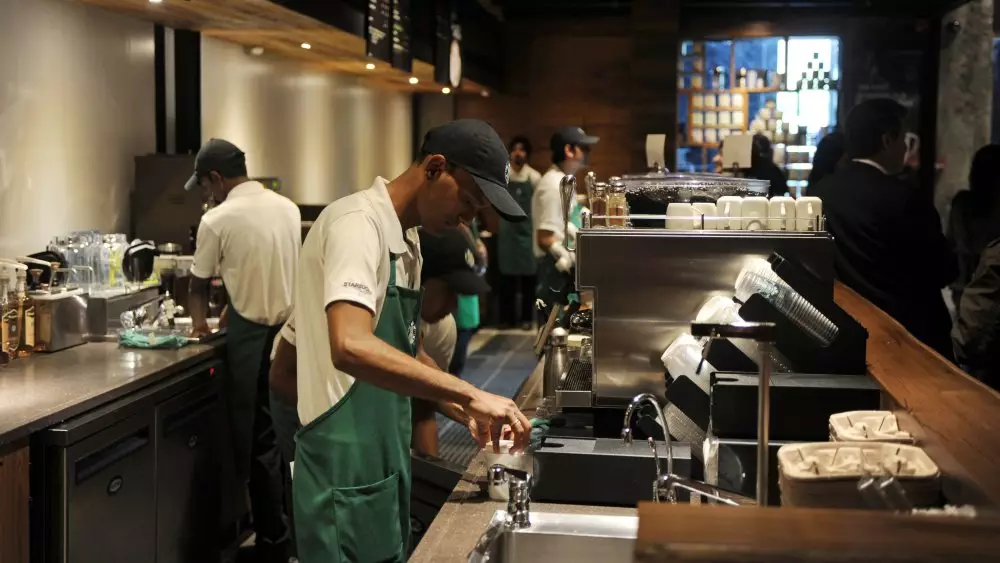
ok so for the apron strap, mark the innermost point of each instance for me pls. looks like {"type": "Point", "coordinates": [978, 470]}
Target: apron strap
{"type": "Point", "coordinates": [392, 270]}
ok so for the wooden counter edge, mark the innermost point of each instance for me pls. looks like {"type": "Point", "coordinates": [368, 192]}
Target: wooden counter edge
{"type": "Point", "coordinates": [953, 416]}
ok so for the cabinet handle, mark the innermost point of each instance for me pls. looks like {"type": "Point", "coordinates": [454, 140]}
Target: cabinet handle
{"type": "Point", "coordinates": [115, 485]}
{"type": "Point", "coordinates": [193, 441]}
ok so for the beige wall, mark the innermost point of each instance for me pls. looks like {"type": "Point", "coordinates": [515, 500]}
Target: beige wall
{"type": "Point", "coordinates": [323, 135]}
{"type": "Point", "coordinates": [76, 104]}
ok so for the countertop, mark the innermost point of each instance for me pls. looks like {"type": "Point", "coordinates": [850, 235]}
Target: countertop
{"type": "Point", "coordinates": [45, 389]}
{"type": "Point", "coordinates": [464, 518]}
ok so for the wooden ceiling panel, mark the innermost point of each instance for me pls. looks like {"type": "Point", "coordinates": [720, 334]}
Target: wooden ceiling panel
{"type": "Point", "coordinates": [280, 31]}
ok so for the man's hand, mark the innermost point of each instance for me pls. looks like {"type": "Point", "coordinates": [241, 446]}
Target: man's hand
{"type": "Point", "coordinates": [224, 317]}
{"type": "Point", "coordinates": [200, 330]}
{"type": "Point", "coordinates": [491, 412]}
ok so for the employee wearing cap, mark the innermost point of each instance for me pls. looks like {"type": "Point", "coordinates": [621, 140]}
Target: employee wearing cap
{"type": "Point", "coordinates": [450, 270]}
{"type": "Point", "coordinates": [252, 238]}
{"type": "Point", "coordinates": [570, 152]}
{"type": "Point", "coordinates": [357, 317]}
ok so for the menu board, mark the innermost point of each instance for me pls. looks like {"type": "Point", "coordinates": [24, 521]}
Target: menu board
{"type": "Point", "coordinates": [402, 57]}
{"type": "Point", "coordinates": [378, 39]}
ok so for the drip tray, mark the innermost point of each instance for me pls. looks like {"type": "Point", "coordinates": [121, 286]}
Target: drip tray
{"type": "Point", "coordinates": [577, 388]}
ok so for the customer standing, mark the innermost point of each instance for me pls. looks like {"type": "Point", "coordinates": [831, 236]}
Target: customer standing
{"type": "Point", "coordinates": [570, 152]}
{"type": "Point", "coordinates": [975, 215]}
{"type": "Point", "coordinates": [252, 238]}
{"type": "Point", "coordinates": [516, 259]}
{"type": "Point", "coordinates": [977, 329]}
{"type": "Point", "coordinates": [357, 316]}
{"type": "Point", "coordinates": [762, 167]}
{"type": "Point", "coordinates": [890, 246]}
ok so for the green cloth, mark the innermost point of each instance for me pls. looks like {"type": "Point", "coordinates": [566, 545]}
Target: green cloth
{"type": "Point", "coordinates": [351, 486]}
{"type": "Point", "coordinates": [539, 428]}
{"type": "Point", "coordinates": [136, 339]}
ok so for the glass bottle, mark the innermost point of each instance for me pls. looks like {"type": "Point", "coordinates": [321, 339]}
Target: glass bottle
{"type": "Point", "coordinates": [599, 205]}
{"type": "Point", "coordinates": [617, 206]}
{"type": "Point", "coordinates": [9, 321]}
{"type": "Point", "coordinates": [26, 307]}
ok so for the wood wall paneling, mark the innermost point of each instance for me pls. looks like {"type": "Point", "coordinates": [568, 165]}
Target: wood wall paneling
{"type": "Point", "coordinates": [14, 505]}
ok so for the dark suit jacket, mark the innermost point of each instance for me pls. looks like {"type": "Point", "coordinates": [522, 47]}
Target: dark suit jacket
{"type": "Point", "coordinates": [891, 248]}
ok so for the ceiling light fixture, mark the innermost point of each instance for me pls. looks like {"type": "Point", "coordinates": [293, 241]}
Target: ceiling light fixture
{"type": "Point", "coordinates": [414, 80]}
{"type": "Point", "coordinates": [485, 93]}
{"type": "Point", "coordinates": [256, 50]}
{"type": "Point", "coordinates": [155, 1]}
{"type": "Point", "coordinates": [306, 46]}
{"type": "Point", "coordinates": [446, 90]}
{"type": "Point", "coordinates": [370, 66]}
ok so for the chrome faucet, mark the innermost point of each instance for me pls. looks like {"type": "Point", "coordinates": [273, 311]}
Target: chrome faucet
{"type": "Point", "coordinates": [649, 399]}
{"type": "Point", "coordinates": [518, 500]}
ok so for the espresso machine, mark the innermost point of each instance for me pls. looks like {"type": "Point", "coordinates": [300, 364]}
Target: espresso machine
{"type": "Point", "coordinates": [656, 289]}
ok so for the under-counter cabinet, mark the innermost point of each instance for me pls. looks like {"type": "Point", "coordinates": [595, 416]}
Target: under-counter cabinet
{"type": "Point", "coordinates": [132, 481]}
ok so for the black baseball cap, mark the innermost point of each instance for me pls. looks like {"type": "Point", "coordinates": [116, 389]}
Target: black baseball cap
{"type": "Point", "coordinates": [451, 257]}
{"type": "Point", "coordinates": [475, 147]}
{"type": "Point", "coordinates": [571, 135]}
{"type": "Point", "coordinates": [220, 156]}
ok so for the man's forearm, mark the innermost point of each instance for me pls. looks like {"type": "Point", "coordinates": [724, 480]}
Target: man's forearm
{"type": "Point", "coordinates": [198, 301]}
{"type": "Point", "coordinates": [370, 359]}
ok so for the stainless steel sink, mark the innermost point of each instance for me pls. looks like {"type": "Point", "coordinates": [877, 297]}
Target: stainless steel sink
{"type": "Point", "coordinates": [557, 538]}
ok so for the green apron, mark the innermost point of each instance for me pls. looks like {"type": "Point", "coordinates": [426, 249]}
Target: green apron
{"type": "Point", "coordinates": [515, 239]}
{"type": "Point", "coordinates": [352, 464]}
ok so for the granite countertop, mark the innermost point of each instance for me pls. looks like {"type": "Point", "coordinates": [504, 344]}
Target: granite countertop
{"type": "Point", "coordinates": [45, 389]}
{"type": "Point", "coordinates": [464, 518]}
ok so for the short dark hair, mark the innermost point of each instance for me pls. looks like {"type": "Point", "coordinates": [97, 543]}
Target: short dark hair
{"type": "Point", "coordinates": [868, 122]}
{"type": "Point", "coordinates": [520, 140]}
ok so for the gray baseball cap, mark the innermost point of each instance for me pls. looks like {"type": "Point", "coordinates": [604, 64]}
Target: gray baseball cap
{"type": "Point", "coordinates": [217, 155]}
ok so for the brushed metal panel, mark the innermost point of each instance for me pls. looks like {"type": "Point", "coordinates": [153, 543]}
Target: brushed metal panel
{"type": "Point", "coordinates": [649, 285]}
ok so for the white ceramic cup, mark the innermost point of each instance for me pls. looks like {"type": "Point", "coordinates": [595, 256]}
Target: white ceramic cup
{"type": "Point", "coordinates": [754, 212]}
{"type": "Point", "coordinates": [781, 213]}
{"type": "Point", "coordinates": [708, 215]}
{"type": "Point", "coordinates": [730, 210]}
{"type": "Point", "coordinates": [808, 210]}
{"type": "Point", "coordinates": [682, 216]}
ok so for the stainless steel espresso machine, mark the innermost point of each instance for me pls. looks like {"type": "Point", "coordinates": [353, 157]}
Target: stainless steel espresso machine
{"type": "Point", "coordinates": [665, 301]}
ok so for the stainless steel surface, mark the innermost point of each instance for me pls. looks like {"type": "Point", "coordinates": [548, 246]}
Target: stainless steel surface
{"type": "Point", "coordinates": [60, 320]}
{"type": "Point", "coordinates": [543, 333]}
{"type": "Point", "coordinates": [649, 284]}
{"type": "Point", "coordinates": [519, 497]}
{"type": "Point", "coordinates": [671, 188]}
{"type": "Point", "coordinates": [558, 538]}
{"type": "Point", "coordinates": [667, 486]}
{"type": "Point", "coordinates": [750, 330]}
{"type": "Point", "coordinates": [556, 363]}
{"type": "Point", "coordinates": [567, 189]}
{"type": "Point", "coordinates": [649, 399]}
{"type": "Point", "coordinates": [105, 309]}
{"type": "Point", "coordinates": [47, 388]}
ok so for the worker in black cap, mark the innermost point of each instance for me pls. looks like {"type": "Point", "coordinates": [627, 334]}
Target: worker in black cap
{"type": "Point", "coordinates": [570, 152]}
{"type": "Point", "coordinates": [357, 316]}
{"type": "Point", "coordinates": [251, 237]}
{"type": "Point", "coordinates": [450, 269]}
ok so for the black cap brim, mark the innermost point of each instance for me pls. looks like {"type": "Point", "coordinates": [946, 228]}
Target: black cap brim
{"type": "Point", "coordinates": [588, 141]}
{"type": "Point", "coordinates": [501, 200]}
{"type": "Point", "coordinates": [466, 283]}
{"type": "Point", "coordinates": [192, 183]}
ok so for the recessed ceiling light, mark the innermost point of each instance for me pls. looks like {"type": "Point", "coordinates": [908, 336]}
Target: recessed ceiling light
{"type": "Point", "coordinates": [446, 90]}
{"type": "Point", "coordinates": [257, 51]}
{"type": "Point", "coordinates": [485, 93]}
{"type": "Point", "coordinates": [370, 66]}
{"type": "Point", "coordinates": [306, 46]}
{"type": "Point", "coordinates": [414, 80]}
{"type": "Point", "coordinates": [155, 1]}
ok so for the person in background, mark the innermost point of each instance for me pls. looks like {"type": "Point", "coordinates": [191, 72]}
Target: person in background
{"type": "Point", "coordinates": [358, 358]}
{"type": "Point", "coordinates": [977, 327]}
{"type": "Point", "coordinates": [571, 148]}
{"type": "Point", "coordinates": [762, 166]}
{"type": "Point", "coordinates": [829, 156]}
{"type": "Point", "coordinates": [890, 246]}
{"type": "Point", "coordinates": [252, 238]}
{"type": "Point", "coordinates": [975, 215]}
{"type": "Point", "coordinates": [516, 260]}
{"type": "Point", "coordinates": [467, 313]}
{"type": "Point", "coordinates": [449, 272]}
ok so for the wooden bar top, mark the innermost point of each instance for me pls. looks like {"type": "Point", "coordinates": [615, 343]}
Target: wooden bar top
{"type": "Point", "coordinates": [953, 416]}
{"type": "Point", "coordinates": [684, 533]}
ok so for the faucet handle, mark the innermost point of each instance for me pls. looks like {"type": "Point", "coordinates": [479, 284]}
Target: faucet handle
{"type": "Point", "coordinates": [498, 474]}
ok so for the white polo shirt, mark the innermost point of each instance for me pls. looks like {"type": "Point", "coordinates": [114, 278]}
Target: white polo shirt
{"type": "Point", "coordinates": [547, 208]}
{"type": "Point", "coordinates": [252, 238]}
{"type": "Point", "coordinates": [345, 257]}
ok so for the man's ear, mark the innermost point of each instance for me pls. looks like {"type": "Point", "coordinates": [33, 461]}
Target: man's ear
{"type": "Point", "coordinates": [434, 164]}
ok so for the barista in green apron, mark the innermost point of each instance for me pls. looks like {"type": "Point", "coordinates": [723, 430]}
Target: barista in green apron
{"type": "Point", "coordinates": [516, 261]}
{"type": "Point", "coordinates": [230, 239]}
{"type": "Point", "coordinates": [356, 314]}
{"type": "Point", "coordinates": [570, 151]}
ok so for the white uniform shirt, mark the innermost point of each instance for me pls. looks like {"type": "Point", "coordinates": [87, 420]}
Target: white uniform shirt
{"type": "Point", "coordinates": [438, 340]}
{"type": "Point", "coordinates": [345, 257]}
{"type": "Point", "coordinates": [525, 174]}
{"type": "Point", "coordinates": [547, 208]}
{"type": "Point", "coordinates": [252, 238]}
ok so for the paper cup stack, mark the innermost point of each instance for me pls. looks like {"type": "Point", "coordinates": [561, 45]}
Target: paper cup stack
{"type": "Point", "coordinates": [826, 474]}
